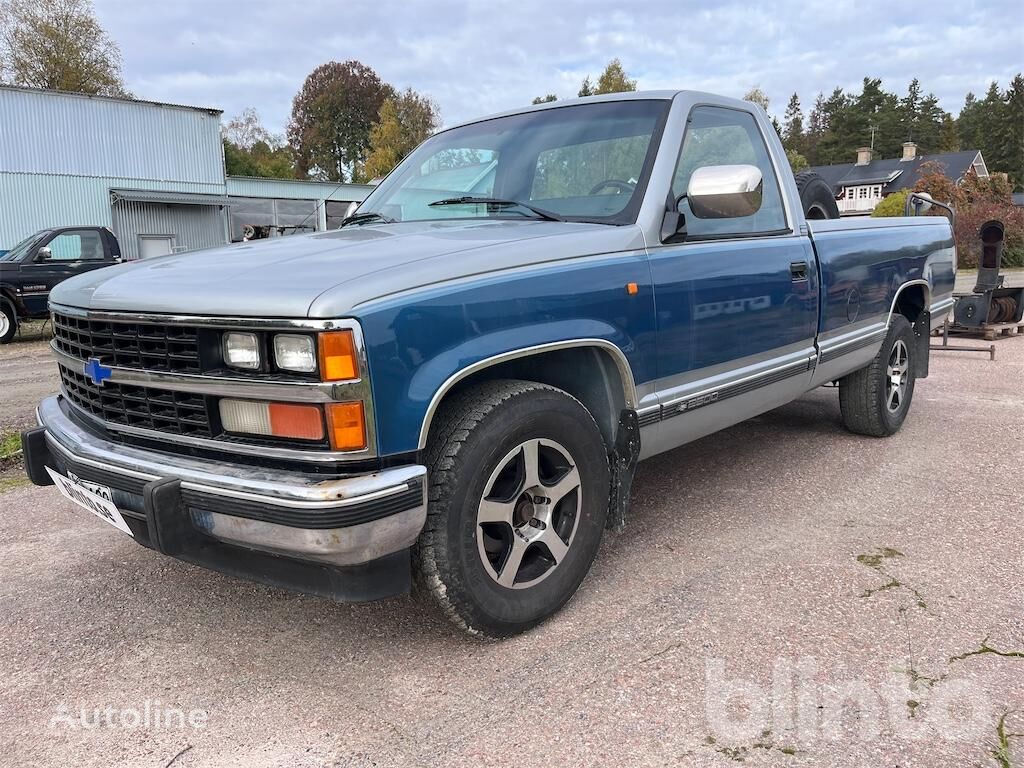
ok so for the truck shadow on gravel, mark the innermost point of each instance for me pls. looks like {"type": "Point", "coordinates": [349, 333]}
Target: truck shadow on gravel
{"type": "Point", "coordinates": [238, 608]}
{"type": "Point", "coordinates": [204, 595]}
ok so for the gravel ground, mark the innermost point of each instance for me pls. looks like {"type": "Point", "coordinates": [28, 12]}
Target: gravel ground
{"type": "Point", "coordinates": [785, 594]}
{"type": "Point", "coordinates": [27, 375]}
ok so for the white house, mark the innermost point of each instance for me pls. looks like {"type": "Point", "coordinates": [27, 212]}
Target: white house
{"type": "Point", "coordinates": [860, 186]}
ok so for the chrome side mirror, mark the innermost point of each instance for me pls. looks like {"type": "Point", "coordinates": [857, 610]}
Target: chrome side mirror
{"type": "Point", "coordinates": [44, 254]}
{"type": "Point", "coordinates": [725, 191]}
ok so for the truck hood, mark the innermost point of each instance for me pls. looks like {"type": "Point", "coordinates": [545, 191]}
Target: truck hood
{"type": "Point", "coordinates": [331, 274]}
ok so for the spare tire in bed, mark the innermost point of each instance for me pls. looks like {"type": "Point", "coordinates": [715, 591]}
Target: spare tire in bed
{"type": "Point", "coordinates": [816, 196]}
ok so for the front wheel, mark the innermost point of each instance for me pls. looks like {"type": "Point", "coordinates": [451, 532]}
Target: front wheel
{"type": "Point", "coordinates": [8, 323]}
{"type": "Point", "coordinates": [517, 505]}
{"type": "Point", "coordinates": [875, 400]}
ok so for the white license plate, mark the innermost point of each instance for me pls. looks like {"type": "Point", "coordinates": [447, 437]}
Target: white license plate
{"type": "Point", "coordinates": [90, 496]}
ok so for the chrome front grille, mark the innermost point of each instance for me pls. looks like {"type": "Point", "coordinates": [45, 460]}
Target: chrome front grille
{"type": "Point", "coordinates": [160, 377]}
{"type": "Point", "coordinates": [146, 346]}
{"type": "Point", "coordinates": [179, 413]}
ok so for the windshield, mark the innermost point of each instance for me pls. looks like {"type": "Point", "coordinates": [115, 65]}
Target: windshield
{"type": "Point", "coordinates": [21, 248]}
{"type": "Point", "coordinates": [587, 162]}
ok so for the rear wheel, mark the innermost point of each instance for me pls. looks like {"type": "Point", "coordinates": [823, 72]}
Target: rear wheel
{"type": "Point", "coordinates": [816, 196]}
{"type": "Point", "coordinates": [875, 400]}
{"type": "Point", "coordinates": [517, 505]}
{"type": "Point", "coordinates": [8, 323]}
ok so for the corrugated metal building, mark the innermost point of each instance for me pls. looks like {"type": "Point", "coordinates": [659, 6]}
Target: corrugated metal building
{"type": "Point", "coordinates": [152, 172]}
{"type": "Point", "coordinates": [288, 203]}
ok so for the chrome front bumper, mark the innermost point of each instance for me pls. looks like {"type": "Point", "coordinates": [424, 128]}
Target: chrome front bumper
{"type": "Point", "coordinates": [337, 521]}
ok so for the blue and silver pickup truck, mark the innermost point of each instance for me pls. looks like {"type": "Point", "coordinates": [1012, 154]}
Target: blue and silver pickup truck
{"type": "Point", "coordinates": [455, 387]}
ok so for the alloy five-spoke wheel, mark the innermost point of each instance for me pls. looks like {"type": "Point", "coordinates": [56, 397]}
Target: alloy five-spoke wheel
{"type": "Point", "coordinates": [875, 400]}
{"type": "Point", "coordinates": [898, 372]}
{"type": "Point", "coordinates": [518, 500]}
{"type": "Point", "coordinates": [529, 512]}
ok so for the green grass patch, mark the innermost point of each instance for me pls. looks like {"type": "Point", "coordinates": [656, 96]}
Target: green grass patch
{"type": "Point", "coordinates": [12, 483]}
{"type": "Point", "coordinates": [10, 445]}
{"type": "Point", "coordinates": [1000, 749]}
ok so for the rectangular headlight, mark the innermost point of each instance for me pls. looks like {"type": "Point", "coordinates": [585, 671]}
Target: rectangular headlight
{"type": "Point", "coordinates": [295, 353]}
{"type": "Point", "coordinates": [242, 350]}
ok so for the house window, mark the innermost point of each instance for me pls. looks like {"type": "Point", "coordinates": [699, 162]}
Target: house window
{"type": "Point", "coordinates": [862, 193]}
{"type": "Point", "coordinates": [876, 191]}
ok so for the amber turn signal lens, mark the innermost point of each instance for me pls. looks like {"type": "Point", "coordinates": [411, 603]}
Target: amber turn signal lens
{"type": "Point", "coordinates": [303, 422]}
{"type": "Point", "coordinates": [338, 356]}
{"type": "Point", "coordinates": [347, 425]}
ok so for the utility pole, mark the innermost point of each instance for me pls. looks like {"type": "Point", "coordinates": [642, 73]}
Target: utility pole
{"type": "Point", "coordinates": [873, 128]}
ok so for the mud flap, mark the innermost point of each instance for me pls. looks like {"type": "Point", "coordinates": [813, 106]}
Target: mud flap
{"type": "Point", "coordinates": [36, 454]}
{"type": "Point", "coordinates": [622, 462]}
{"type": "Point", "coordinates": [170, 527]}
{"type": "Point", "coordinates": [922, 338]}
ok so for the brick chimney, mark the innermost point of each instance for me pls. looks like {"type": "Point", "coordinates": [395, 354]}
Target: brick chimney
{"type": "Point", "coordinates": [909, 151]}
{"type": "Point", "coordinates": [864, 155]}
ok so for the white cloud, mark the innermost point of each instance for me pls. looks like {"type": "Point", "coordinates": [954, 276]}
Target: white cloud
{"type": "Point", "coordinates": [475, 57]}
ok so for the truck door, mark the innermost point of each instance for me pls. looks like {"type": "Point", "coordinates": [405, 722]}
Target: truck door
{"type": "Point", "coordinates": [64, 254]}
{"type": "Point", "coordinates": [736, 299]}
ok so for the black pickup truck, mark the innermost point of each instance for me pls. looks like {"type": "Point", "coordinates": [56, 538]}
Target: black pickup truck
{"type": "Point", "coordinates": [30, 270]}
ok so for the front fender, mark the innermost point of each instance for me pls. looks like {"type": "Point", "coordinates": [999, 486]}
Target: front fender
{"type": "Point", "coordinates": [418, 351]}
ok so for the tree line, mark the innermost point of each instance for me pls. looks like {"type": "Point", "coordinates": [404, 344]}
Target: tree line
{"type": "Point", "coordinates": [840, 123]}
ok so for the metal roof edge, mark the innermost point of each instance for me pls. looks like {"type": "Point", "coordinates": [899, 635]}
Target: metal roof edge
{"type": "Point", "coordinates": [100, 97]}
{"type": "Point", "coordinates": [274, 180]}
{"type": "Point", "coordinates": [155, 196]}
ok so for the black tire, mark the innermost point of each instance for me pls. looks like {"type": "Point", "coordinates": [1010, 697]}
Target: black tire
{"type": "Point", "coordinates": [474, 433]}
{"type": "Point", "coordinates": [8, 323]}
{"type": "Point", "coordinates": [816, 196]}
{"type": "Point", "coordinates": [865, 396]}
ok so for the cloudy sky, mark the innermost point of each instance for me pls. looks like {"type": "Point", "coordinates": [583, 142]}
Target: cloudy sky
{"type": "Point", "coordinates": [479, 56]}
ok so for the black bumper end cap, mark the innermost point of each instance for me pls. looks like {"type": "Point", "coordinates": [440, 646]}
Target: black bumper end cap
{"type": "Point", "coordinates": [170, 529]}
{"type": "Point", "coordinates": [36, 454]}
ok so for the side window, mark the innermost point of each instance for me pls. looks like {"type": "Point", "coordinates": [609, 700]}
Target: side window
{"type": "Point", "coordinates": [720, 136]}
{"type": "Point", "coordinates": [76, 246]}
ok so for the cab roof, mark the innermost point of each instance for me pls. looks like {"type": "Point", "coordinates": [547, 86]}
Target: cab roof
{"type": "Point", "coordinates": [660, 95]}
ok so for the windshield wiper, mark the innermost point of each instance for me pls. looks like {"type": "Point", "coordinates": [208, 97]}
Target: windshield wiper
{"type": "Point", "coordinates": [361, 218]}
{"type": "Point", "coordinates": [498, 203]}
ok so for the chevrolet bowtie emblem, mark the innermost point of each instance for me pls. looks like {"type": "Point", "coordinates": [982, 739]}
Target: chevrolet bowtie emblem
{"type": "Point", "coordinates": [97, 372]}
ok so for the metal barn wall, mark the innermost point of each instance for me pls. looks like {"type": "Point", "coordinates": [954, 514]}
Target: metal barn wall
{"type": "Point", "coordinates": [192, 226]}
{"type": "Point", "coordinates": [49, 132]}
{"type": "Point", "coordinates": [31, 202]}
{"type": "Point", "coordinates": [61, 154]}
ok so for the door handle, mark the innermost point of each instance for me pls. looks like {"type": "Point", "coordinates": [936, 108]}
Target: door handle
{"type": "Point", "coordinates": [798, 270]}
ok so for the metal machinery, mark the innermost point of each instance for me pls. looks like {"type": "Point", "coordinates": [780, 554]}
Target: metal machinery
{"type": "Point", "coordinates": [990, 303]}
